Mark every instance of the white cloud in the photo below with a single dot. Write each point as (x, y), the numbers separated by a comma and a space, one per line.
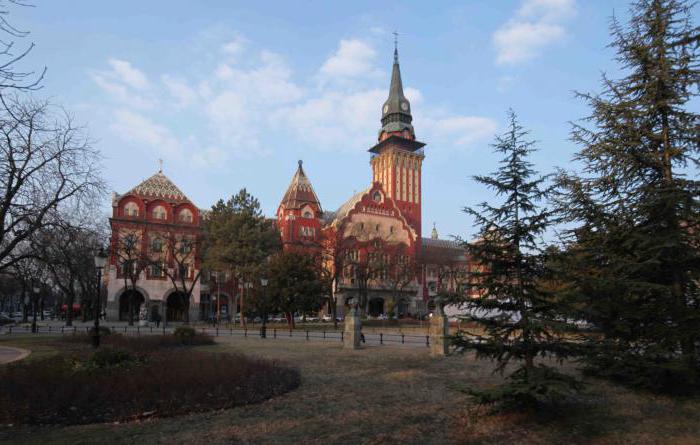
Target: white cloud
(536, 25)
(209, 157)
(353, 58)
(179, 90)
(128, 74)
(125, 84)
(234, 47)
(336, 120)
(232, 110)
(140, 130)
(459, 131)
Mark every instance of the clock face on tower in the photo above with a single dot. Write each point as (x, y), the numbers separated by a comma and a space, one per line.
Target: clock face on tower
(386, 108)
(404, 106)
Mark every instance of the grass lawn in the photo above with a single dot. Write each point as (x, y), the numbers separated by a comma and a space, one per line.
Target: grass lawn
(386, 395)
(40, 346)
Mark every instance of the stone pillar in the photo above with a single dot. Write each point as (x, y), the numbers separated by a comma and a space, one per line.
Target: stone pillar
(439, 330)
(353, 328)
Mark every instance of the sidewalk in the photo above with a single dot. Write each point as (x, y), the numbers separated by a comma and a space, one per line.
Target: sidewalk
(8, 354)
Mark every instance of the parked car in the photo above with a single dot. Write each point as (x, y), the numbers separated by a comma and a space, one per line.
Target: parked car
(326, 318)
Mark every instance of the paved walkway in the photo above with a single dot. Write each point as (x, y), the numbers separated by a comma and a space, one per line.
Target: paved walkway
(8, 354)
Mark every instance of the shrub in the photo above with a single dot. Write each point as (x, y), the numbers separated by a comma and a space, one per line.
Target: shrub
(104, 331)
(185, 333)
(110, 357)
(144, 343)
(56, 391)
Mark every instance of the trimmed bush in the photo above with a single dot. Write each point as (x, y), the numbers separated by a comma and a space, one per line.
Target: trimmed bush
(104, 331)
(144, 343)
(115, 385)
(186, 334)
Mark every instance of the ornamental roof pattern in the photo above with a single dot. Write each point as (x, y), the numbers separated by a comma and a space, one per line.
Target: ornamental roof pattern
(300, 191)
(159, 186)
(441, 250)
(344, 209)
(441, 243)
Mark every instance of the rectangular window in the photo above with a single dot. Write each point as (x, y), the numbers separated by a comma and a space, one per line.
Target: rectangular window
(127, 267)
(157, 270)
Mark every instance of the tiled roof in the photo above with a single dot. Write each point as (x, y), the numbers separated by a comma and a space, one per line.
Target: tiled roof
(344, 209)
(442, 243)
(300, 191)
(159, 186)
(441, 250)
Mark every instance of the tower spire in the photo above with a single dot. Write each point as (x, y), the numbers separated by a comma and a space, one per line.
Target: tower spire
(396, 47)
(396, 111)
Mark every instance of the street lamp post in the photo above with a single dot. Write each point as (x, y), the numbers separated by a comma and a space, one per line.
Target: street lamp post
(263, 328)
(36, 290)
(100, 262)
(218, 299)
(246, 286)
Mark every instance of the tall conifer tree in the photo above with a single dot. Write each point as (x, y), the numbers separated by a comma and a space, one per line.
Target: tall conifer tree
(518, 321)
(633, 257)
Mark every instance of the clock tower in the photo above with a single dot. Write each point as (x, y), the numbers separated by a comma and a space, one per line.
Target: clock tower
(397, 157)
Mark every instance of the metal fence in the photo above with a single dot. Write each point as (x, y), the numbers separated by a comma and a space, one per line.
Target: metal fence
(271, 333)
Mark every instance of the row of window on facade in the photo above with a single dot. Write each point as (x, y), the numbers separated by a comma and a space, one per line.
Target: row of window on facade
(378, 265)
(159, 213)
(184, 245)
(377, 227)
(309, 232)
(156, 270)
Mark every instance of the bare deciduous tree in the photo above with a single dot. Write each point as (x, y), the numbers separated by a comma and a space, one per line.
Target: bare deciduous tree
(179, 258)
(10, 76)
(132, 260)
(47, 167)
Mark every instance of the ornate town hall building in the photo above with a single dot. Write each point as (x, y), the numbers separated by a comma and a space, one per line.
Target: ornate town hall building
(377, 232)
(372, 245)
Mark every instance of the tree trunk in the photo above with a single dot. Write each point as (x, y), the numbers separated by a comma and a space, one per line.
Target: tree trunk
(25, 307)
(131, 308)
(244, 323)
(186, 299)
(69, 309)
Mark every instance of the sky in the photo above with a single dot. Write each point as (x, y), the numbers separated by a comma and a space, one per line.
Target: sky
(230, 94)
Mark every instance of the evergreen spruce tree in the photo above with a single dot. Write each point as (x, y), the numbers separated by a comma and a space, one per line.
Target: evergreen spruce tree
(517, 318)
(633, 260)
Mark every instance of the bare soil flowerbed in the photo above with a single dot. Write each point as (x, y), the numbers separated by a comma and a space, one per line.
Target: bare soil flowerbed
(130, 379)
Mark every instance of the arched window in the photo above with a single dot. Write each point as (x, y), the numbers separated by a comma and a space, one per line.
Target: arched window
(131, 209)
(377, 197)
(185, 215)
(159, 213)
(307, 212)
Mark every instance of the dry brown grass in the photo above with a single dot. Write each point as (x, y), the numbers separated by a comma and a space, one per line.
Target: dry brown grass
(392, 395)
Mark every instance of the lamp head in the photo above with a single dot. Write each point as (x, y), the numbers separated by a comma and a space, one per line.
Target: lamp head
(100, 259)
